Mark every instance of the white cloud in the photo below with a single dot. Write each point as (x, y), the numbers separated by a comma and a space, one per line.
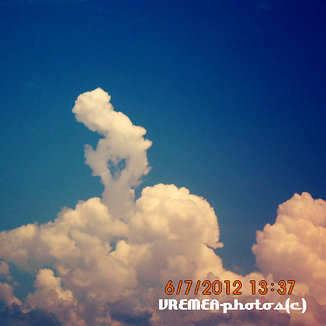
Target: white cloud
(294, 247)
(297, 243)
(122, 143)
(107, 261)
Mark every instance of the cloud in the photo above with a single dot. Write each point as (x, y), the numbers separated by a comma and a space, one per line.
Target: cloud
(51, 298)
(121, 151)
(7, 294)
(4, 268)
(294, 247)
(13, 316)
(107, 261)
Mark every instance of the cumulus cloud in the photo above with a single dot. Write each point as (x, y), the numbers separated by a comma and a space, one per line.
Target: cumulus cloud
(120, 157)
(294, 247)
(107, 261)
(7, 294)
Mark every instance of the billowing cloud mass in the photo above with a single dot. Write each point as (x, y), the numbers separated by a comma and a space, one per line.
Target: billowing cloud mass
(107, 261)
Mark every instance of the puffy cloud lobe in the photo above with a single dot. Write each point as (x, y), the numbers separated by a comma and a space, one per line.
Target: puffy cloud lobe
(107, 261)
(166, 212)
(294, 246)
(67, 239)
(7, 295)
(51, 298)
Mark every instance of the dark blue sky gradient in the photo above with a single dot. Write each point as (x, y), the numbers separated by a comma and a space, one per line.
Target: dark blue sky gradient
(232, 94)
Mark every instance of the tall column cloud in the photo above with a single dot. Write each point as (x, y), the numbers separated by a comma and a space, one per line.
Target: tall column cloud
(120, 157)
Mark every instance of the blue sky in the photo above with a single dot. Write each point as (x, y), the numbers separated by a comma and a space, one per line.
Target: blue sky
(232, 94)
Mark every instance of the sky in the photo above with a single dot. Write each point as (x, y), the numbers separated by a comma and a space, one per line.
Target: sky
(230, 93)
